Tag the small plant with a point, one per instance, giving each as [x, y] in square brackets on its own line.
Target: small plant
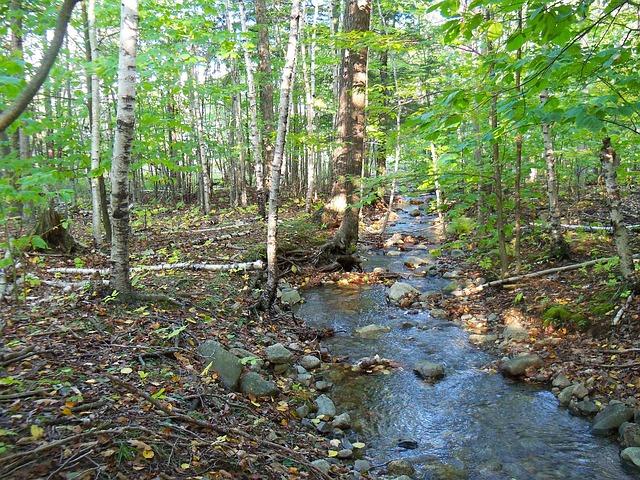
[461, 225]
[560, 316]
[78, 262]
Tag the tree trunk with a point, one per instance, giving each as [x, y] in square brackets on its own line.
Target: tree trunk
[120, 280]
[52, 229]
[274, 190]
[308, 74]
[559, 246]
[202, 149]
[253, 113]
[348, 155]
[265, 87]
[610, 162]
[518, 180]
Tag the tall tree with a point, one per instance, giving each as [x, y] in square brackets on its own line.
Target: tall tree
[125, 128]
[348, 155]
[264, 85]
[286, 85]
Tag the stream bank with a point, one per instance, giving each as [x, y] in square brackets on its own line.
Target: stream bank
[472, 423]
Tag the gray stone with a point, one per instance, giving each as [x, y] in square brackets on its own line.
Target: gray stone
[394, 253]
[281, 368]
[400, 467]
[452, 274]
[322, 465]
[324, 427]
[580, 391]
[630, 434]
[414, 213]
[587, 407]
[342, 421]
[226, 364]
[305, 379]
[415, 262]
[290, 296]
[345, 453]
[561, 381]
[242, 353]
[429, 371]
[517, 366]
[325, 406]
[451, 287]
[278, 353]
[310, 362]
[456, 253]
[303, 410]
[252, 383]
[610, 418]
[323, 386]
[395, 239]
[631, 456]
[362, 466]
[515, 332]
[371, 331]
[438, 313]
[399, 290]
[565, 396]
[482, 340]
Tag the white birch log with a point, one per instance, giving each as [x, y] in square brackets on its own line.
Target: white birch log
[245, 266]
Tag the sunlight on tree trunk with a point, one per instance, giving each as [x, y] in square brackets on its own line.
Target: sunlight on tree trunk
[348, 155]
[120, 279]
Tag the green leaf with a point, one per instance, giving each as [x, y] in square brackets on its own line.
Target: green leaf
[38, 242]
[494, 31]
[515, 41]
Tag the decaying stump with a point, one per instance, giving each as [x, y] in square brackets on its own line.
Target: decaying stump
[51, 229]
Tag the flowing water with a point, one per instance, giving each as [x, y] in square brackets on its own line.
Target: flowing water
[473, 420]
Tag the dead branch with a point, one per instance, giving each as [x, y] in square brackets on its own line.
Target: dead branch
[246, 266]
[620, 314]
[625, 350]
[541, 273]
[14, 396]
[172, 413]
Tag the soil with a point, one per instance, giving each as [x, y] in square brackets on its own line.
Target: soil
[91, 388]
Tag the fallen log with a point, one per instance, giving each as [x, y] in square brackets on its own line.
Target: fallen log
[246, 266]
[517, 278]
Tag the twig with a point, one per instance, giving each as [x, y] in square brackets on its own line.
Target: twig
[30, 393]
[624, 350]
[210, 426]
[623, 365]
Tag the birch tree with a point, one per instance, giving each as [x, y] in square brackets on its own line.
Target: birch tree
[274, 189]
[120, 280]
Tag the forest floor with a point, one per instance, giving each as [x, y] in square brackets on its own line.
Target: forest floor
[90, 388]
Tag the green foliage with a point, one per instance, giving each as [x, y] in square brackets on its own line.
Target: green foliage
[461, 225]
[561, 316]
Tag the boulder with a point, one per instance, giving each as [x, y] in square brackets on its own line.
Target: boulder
[253, 384]
[561, 381]
[587, 408]
[342, 421]
[322, 465]
[415, 262]
[456, 253]
[225, 363]
[310, 362]
[438, 313]
[630, 434]
[482, 340]
[517, 366]
[371, 331]
[610, 418]
[362, 466]
[515, 332]
[400, 467]
[415, 212]
[290, 296]
[278, 353]
[429, 371]
[325, 406]
[631, 456]
[399, 290]
[451, 287]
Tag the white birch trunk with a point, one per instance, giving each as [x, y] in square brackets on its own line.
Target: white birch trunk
[610, 162]
[96, 207]
[283, 113]
[123, 140]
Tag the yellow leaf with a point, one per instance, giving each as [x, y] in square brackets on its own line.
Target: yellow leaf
[206, 370]
[333, 453]
[147, 453]
[36, 432]
[185, 466]
[359, 445]
[108, 453]
[282, 408]
[255, 404]
[66, 411]
[126, 370]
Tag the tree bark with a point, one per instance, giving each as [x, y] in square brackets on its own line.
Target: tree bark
[265, 87]
[348, 155]
[610, 162]
[8, 116]
[559, 246]
[274, 189]
[308, 73]
[253, 116]
[125, 128]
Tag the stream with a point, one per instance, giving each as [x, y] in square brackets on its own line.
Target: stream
[471, 421]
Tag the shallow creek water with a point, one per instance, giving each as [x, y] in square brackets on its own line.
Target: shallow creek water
[473, 420]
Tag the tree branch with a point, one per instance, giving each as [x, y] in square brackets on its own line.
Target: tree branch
[22, 102]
